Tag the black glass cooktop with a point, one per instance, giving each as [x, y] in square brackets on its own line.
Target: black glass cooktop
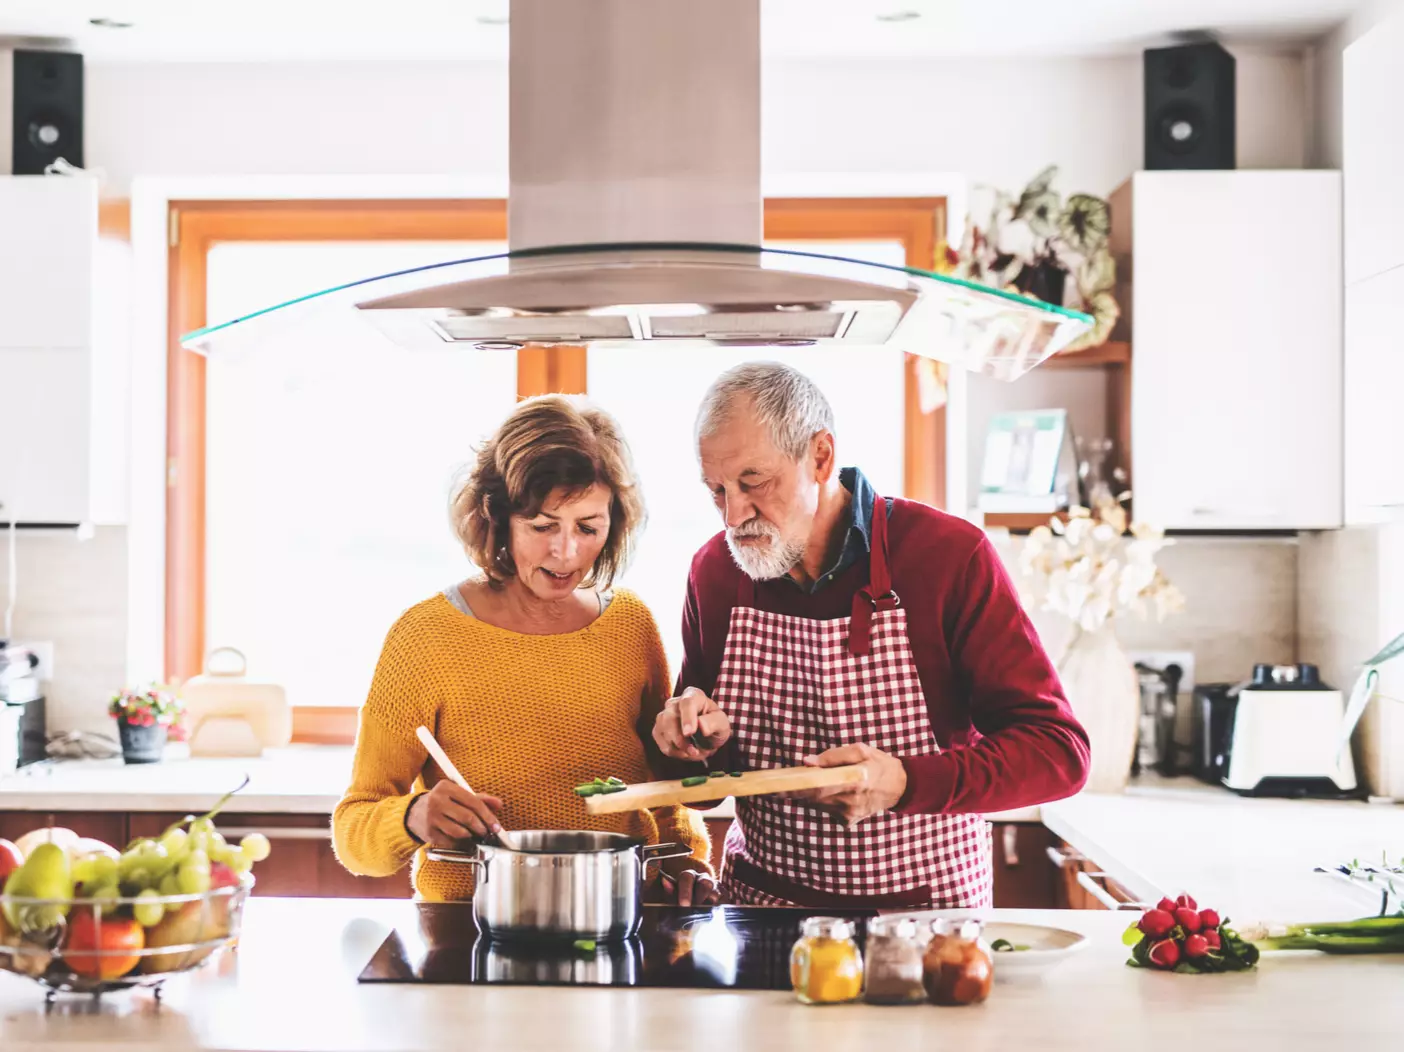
[741, 948]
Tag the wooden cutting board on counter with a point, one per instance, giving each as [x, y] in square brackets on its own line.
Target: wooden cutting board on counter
[752, 783]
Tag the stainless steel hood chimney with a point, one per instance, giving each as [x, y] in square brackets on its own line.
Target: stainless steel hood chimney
[634, 216]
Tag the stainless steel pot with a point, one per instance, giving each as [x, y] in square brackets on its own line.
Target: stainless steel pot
[519, 962]
[560, 884]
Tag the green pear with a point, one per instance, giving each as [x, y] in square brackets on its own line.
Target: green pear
[44, 875]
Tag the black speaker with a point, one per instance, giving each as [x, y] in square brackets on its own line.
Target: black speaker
[48, 110]
[1190, 107]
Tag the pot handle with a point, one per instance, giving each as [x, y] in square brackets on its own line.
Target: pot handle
[448, 854]
[658, 852]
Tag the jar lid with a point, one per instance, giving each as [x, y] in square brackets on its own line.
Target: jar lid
[828, 928]
[893, 927]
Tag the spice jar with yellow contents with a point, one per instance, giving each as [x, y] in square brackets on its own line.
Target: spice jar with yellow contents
[958, 967]
[826, 966]
[892, 963]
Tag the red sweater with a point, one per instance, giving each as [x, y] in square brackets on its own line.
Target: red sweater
[1008, 735]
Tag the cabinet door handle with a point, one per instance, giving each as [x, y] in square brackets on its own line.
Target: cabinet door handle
[1061, 859]
[1090, 885]
[1011, 846]
[280, 832]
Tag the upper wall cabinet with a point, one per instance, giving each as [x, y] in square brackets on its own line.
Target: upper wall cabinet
[1372, 151]
[48, 239]
[1235, 324]
[48, 230]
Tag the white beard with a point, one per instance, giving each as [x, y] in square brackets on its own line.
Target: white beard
[774, 560]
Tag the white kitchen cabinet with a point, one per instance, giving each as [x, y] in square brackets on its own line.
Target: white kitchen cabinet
[44, 428]
[48, 239]
[1235, 296]
[1374, 396]
[48, 227]
[1372, 150]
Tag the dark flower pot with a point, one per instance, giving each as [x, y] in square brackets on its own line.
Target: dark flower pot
[141, 744]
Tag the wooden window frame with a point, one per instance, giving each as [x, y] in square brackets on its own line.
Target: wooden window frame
[196, 226]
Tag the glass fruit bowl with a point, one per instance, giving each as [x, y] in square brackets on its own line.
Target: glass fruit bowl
[96, 946]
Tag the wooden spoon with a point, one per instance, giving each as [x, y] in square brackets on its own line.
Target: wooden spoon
[440, 757]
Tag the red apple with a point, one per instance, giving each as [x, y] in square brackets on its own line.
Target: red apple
[221, 876]
[10, 858]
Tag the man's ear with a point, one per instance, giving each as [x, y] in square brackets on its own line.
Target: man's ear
[821, 450]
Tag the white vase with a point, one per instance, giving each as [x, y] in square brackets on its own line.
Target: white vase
[1102, 687]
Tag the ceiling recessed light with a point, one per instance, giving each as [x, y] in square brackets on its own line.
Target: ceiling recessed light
[110, 23]
[899, 16]
[492, 20]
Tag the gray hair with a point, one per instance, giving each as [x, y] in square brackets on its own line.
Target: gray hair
[787, 402]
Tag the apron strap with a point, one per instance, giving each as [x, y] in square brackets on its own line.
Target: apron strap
[877, 594]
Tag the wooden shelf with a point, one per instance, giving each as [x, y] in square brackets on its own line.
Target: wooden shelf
[1113, 352]
[1020, 521]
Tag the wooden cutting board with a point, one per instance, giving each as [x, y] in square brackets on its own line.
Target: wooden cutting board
[752, 783]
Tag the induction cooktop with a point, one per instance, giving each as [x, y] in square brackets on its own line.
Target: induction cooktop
[728, 947]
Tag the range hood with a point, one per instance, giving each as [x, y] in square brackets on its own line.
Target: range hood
[635, 214]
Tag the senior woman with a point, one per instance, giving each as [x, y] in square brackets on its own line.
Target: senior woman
[532, 674]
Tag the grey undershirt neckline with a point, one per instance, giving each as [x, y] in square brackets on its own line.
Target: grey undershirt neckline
[455, 596]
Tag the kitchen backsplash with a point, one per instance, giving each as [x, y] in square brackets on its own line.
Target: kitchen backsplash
[73, 593]
[1240, 605]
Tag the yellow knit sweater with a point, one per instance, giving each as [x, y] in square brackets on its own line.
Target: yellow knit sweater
[523, 717]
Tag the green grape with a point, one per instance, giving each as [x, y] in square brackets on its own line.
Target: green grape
[104, 869]
[255, 847]
[106, 895]
[170, 884]
[136, 881]
[83, 870]
[148, 914]
[197, 842]
[203, 826]
[194, 874]
[175, 843]
[240, 863]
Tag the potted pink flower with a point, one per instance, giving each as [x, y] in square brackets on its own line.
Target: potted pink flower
[144, 719]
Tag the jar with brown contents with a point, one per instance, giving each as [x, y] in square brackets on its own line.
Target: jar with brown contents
[893, 962]
[825, 964]
[958, 967]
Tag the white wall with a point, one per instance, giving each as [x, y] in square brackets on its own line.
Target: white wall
[998, 120]
[1323, 79]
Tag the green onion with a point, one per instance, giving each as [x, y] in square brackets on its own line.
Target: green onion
[717, 774]
[614, 788]
[587, 945]
[736, 774]
[587, 790]
[697, 779]
[1367, 935]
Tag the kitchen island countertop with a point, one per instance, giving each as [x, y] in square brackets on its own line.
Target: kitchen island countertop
[292, 987]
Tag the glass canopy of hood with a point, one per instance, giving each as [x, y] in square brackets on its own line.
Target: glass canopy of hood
[679, 296]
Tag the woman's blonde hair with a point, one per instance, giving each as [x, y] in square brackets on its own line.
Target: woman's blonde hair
[547, 442]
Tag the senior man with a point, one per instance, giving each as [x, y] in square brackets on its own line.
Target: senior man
[827, 626]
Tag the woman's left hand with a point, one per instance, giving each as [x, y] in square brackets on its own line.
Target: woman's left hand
[696, 887]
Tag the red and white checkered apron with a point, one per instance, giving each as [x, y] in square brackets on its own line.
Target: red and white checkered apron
[794, 687]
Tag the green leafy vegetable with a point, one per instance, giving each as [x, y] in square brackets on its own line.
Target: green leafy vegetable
[697, 779]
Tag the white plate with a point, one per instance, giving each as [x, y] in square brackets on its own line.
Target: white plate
[1048, 948]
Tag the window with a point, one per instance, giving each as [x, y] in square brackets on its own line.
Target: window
[329, 461]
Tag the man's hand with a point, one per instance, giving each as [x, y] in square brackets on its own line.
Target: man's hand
[696, 887]
[884, 786]
[692, 712]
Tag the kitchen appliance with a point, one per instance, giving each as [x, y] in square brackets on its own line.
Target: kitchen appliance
[23, 730]
[634, 218]
[727, 947]
[1286, 738]
[1214, 705]
[561, 885]
[1157, 747]
[230, 715]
